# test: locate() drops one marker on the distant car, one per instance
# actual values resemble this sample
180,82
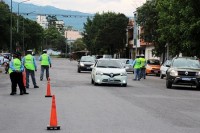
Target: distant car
109,71
183,71
153,67
4,58
85,62
107,56
127,63
164,67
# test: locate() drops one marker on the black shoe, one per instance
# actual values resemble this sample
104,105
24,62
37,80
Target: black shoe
36,86
26,93
27,87
12,93
21,93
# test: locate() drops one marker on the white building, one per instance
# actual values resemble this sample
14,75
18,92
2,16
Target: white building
72,35
42,20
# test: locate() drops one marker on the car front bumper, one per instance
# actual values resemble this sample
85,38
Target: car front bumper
182,80
104,79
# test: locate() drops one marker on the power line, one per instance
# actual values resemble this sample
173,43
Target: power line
62,15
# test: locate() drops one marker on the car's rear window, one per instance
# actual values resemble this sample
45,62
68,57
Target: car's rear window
153,62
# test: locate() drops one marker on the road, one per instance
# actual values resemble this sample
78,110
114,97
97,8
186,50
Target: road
144,106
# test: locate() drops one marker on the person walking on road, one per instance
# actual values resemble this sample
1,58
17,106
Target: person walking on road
30,67
142,66
136,66
15,70
45,61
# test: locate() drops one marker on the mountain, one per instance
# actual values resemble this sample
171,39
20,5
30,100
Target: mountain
71,18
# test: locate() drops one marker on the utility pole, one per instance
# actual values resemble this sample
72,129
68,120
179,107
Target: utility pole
135,33
11,27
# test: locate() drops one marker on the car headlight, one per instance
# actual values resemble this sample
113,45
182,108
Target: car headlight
173,73
99,73
123,74
81,64
198,73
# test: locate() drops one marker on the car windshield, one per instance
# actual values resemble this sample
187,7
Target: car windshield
153,62
186,63
87,59
109,64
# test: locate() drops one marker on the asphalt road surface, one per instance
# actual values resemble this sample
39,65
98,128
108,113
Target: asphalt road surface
144,106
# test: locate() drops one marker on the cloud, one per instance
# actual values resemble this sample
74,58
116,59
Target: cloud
93,6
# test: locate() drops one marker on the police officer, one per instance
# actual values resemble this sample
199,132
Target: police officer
136,66
30,67
45,61
143,66
15,70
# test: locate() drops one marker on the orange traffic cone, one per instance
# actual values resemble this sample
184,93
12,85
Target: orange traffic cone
24,77
53,118
48,89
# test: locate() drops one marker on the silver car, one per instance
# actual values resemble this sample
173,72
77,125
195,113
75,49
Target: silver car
108,71
164,67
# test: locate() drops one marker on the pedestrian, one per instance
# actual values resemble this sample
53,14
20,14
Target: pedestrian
45,61
142,66
30,67
136,66
15,70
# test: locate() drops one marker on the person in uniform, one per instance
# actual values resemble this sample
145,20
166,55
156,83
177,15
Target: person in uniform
30,67
45,61
15,70
142,66
136,66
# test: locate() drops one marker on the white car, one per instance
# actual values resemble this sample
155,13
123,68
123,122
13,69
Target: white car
127,63
164,67
108,71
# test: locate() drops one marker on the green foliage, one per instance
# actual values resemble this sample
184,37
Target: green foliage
106,33
4,26
175,22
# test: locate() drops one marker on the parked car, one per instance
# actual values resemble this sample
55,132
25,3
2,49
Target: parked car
127,63
183,71
164,67
153,67
85,62
4,59
108,71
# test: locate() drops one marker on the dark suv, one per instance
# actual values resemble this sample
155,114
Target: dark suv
183,71
85,62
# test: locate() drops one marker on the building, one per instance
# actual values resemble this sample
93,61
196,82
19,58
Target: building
42,20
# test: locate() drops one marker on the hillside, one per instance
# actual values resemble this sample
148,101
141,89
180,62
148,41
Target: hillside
71,18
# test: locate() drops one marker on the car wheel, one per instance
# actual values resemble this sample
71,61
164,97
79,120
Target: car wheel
79,70
168,84
124,85
161,76
198,86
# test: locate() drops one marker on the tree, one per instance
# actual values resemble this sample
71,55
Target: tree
4,26
106,33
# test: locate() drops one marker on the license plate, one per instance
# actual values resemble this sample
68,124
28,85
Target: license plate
186,79
155,71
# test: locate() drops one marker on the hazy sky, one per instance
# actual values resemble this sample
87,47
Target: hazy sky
92,6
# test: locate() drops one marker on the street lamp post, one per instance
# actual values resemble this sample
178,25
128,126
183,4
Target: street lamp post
11,28
18,14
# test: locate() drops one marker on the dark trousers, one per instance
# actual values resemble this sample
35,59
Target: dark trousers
143,73
136,73
46,68
16,79
32,73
